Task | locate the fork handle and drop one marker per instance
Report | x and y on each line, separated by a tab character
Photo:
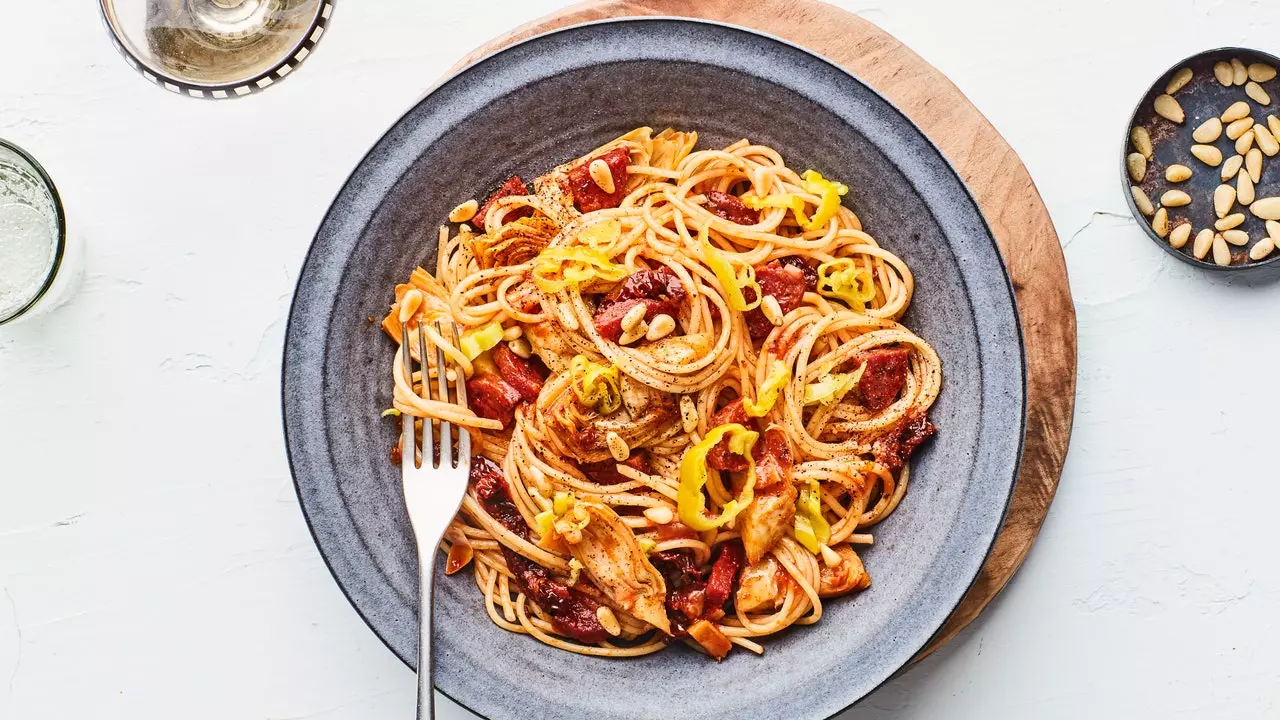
426	660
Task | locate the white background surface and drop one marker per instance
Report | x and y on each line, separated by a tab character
159	566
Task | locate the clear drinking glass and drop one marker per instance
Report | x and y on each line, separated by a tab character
39	262
216	48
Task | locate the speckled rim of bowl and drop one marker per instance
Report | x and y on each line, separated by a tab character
1126	181
61	217
967	193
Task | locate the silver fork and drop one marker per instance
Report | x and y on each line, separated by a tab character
432	493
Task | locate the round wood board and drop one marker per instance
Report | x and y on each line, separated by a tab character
1004	191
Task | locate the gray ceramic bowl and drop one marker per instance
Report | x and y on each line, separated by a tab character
549	99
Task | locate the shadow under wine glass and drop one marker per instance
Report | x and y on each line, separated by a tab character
215	49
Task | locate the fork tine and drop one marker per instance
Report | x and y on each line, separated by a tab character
442	382
428	441
406	420
464	435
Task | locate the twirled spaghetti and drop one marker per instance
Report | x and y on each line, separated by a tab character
689	389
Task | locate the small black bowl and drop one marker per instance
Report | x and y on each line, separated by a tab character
1202	98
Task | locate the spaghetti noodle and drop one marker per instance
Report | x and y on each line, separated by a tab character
689	389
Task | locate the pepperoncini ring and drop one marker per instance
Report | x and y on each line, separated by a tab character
843	279
558	268
595	385
691	505
734	282
833	387
767	395
811	529
484	338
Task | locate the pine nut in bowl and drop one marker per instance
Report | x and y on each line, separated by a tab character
1198	152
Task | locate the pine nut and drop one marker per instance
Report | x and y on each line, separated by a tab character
511	333
1175	198
1253	165
688	414
1273	124
602	175
1237	111
1204	242
1209	131
1223	72
1257	94
1266	208
1207	154
1239	73
1142	201
634	334
1169	109
1179	235
661	327
617	446
1259	72
464	212
1273	230
1239	127
1231	167
521	348
1137	166
1262	248
1179	80
1177	173
1142	142
608	620
1160	223
1236	237
1245	142
1267	141
634	316
660	514
772	310
1221	253
1223	198
409	304
1244	189
830	557
1231	221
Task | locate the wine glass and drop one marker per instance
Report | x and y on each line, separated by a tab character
215	48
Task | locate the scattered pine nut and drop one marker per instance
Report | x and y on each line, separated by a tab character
634	334
1221	253
1232	166
1267	141
1177	173
1234	220
1262	248
662	326
1160	223
1137	166
512	333
1204	242
1245	142
602	175
634	316
1179	80
464	212
660	514
1141	140
521	348
1142	201
1253	165
1266	208
409	304
830	557
1237	111
617	446
1169	109
1257	94
1239	127
1179	235
1260	72
1273	230
1236	237
1175	198
1223	198
1239	73
1209	131
1207	154
1223	72
608	620
688	414
772	310
1273	123
1244	189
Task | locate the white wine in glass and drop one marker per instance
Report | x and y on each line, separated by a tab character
216	48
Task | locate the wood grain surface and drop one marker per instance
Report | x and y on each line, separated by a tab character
1004	191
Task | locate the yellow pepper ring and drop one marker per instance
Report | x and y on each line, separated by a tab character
691	505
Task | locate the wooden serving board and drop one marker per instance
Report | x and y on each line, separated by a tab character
1004	191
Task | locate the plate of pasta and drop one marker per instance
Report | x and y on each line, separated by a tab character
744	375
